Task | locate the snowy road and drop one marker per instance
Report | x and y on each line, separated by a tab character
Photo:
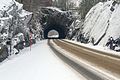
38	64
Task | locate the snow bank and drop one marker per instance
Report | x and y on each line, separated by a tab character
102	22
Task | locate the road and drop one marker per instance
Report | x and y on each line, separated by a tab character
92	64
38	64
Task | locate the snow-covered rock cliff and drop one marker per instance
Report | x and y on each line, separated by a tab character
13	22
102	23
12	16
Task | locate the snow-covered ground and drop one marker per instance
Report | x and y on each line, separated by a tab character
38	64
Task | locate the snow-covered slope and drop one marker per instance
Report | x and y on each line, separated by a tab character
102	22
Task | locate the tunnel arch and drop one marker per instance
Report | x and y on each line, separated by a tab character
60	29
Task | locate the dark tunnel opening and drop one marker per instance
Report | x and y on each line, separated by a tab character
59	29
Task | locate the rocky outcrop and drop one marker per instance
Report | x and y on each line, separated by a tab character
102	23
13	20
12	16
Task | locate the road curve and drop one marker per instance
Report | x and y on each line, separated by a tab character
108	62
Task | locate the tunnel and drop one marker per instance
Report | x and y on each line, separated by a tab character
60	29
55	19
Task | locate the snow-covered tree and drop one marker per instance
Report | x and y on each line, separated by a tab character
86	5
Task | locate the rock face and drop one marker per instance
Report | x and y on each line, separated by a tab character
54	19
13	20
102	23
12	16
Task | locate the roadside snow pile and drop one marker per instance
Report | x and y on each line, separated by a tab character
102	25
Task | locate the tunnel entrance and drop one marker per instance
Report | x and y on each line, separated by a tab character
52	18
54	32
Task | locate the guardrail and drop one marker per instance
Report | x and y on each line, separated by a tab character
101	59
